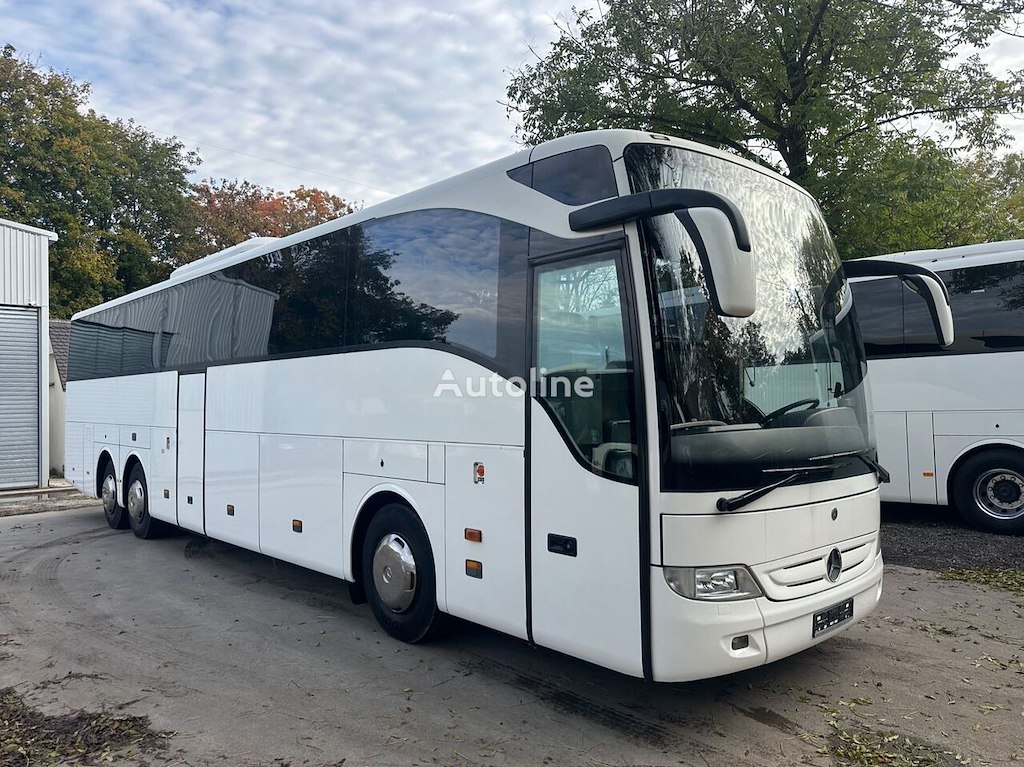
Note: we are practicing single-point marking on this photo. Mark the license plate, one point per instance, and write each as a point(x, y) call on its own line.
point(832, 617)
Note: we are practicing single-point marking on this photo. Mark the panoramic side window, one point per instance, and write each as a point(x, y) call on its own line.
point(880, 315)
point(443, 276)
point(584, 361)
point(573, 178)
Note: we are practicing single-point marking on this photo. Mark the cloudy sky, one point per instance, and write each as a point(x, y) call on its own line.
point(366, 100)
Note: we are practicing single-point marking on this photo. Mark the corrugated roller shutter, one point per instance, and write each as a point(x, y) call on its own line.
point(19, 397)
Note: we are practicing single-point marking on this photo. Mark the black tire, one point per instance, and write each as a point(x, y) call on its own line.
point(117, 516)
point(143, 525)
point(988, 491)
point(408, 614)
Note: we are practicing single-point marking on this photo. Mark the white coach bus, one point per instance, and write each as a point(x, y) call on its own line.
point(951, 421)
point(525, 396)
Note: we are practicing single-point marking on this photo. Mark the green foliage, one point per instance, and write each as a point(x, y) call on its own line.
point(117, 196)
point(113, 192)
point(832, 94)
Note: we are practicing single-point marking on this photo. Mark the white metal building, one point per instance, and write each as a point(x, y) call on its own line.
point(24, 355)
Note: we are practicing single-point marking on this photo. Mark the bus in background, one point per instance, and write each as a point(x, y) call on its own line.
point(951, 421)
point(528, 397)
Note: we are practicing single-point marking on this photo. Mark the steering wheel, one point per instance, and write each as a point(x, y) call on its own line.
point(786, 408)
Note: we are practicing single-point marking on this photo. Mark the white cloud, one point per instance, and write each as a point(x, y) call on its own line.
point(365, 100)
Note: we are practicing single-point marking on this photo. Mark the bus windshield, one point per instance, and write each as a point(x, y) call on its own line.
point(743, 401)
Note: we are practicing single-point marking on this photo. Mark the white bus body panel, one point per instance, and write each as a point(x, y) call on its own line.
point(495, 508)
point(232, 492)
point(139, 403)
point(950, 403)
point(891, 434)
point(374, 395)
point(300, 480)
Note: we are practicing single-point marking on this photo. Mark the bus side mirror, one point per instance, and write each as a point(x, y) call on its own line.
point(728, 269)
point(713, 222)
point(920, 280)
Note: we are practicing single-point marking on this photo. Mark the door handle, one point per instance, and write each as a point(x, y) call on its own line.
point(562, 544)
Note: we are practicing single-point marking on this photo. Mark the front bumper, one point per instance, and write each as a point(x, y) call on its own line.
point(693, 639)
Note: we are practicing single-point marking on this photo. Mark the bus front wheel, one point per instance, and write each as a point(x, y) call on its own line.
point(398, 575)
point(988, 491)
point(116, 516)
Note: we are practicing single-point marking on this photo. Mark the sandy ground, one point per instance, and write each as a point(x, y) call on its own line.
point(254, 662)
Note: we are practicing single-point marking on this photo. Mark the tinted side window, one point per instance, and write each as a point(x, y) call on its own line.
point(446, 276)
point(988, 307)
point(988, 312)
point(880, 316)
point(440, 272)
point(574, 178)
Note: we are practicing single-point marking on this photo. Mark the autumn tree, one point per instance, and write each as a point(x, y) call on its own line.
point(828, 93)
point(228, 212)
point(114, 193)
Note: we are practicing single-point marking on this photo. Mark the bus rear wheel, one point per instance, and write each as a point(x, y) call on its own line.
point(988, 491)
point(398, 575)
point(116, 516)
point(137, 501)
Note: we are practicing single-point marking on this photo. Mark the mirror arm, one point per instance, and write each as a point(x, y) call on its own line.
point(866, 267)
point(620, 210)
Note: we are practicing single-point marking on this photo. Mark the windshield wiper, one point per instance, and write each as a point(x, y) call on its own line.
point(863, 455)
point(798, 472)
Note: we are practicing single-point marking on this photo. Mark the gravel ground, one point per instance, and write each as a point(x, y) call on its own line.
point(935, 538)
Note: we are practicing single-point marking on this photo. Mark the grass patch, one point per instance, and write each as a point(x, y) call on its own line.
point(30, 737)
point(1007, 579)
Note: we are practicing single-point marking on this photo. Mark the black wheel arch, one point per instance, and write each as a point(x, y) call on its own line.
point(977, 450)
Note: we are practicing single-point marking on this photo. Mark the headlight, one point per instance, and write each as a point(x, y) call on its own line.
point(717, 584)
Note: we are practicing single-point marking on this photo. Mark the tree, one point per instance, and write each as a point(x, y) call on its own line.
point(114, 193)
point(229, 212)
point(812, 87)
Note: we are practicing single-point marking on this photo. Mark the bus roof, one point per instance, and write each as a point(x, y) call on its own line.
point(963, 255)
point(447, 193)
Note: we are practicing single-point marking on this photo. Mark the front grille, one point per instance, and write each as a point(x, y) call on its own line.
point(804, 574)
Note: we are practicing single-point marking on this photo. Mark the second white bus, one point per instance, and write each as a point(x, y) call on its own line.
point(950, 420)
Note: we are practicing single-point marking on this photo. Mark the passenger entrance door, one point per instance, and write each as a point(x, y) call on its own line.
point(585, 534)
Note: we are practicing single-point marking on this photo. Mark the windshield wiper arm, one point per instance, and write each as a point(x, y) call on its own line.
point(875, 466)
point(863, 455)
point(739, 501)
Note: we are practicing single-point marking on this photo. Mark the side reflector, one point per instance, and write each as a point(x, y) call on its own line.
point(231, 510)
point(297, 525)
point(476, 536)
point(167, 493)
point(479, 472)
point(474, 569)
point(928, 473)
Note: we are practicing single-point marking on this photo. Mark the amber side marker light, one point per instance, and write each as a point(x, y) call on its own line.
point(474, 569)
point(474, 536)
